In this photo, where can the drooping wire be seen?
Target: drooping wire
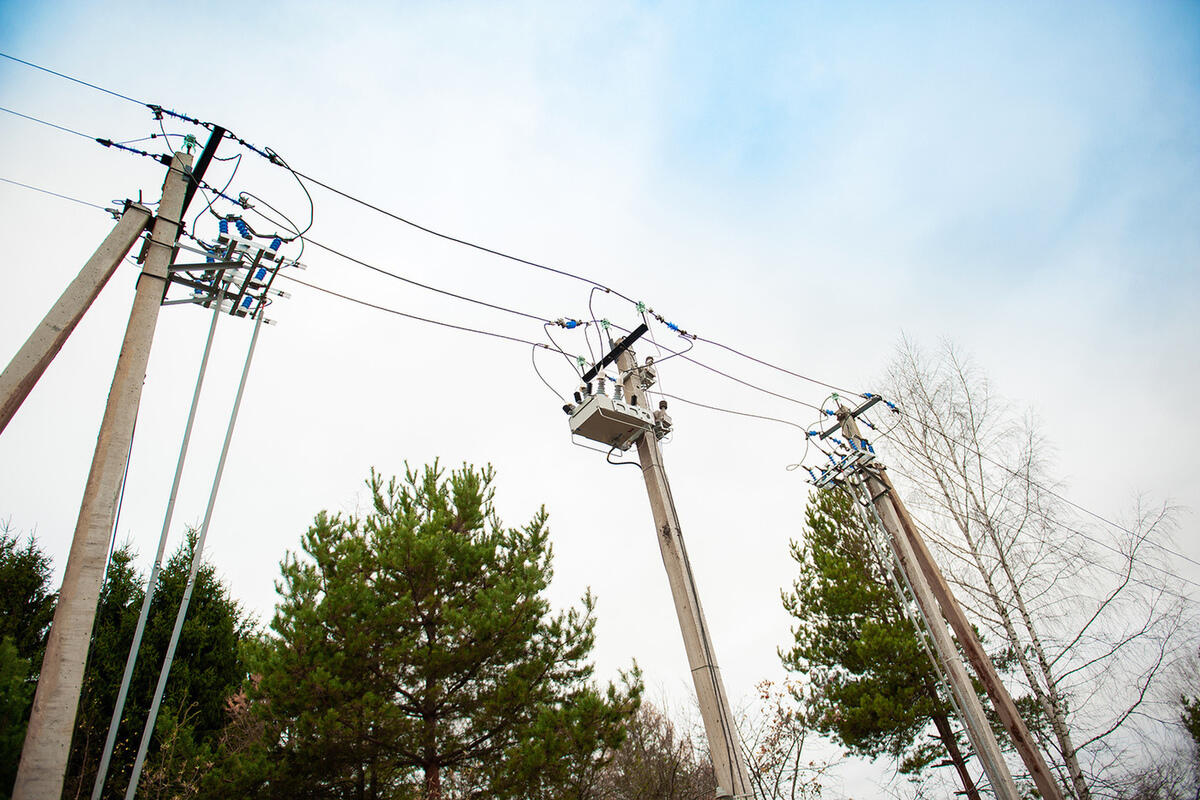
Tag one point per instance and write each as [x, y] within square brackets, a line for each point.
[733, 411]
[406, 315]
[775, 366]
[275, 158]
[611, 450]
[450, 238]
[574, 364]
[221, 193]
[426, 286]
[533, 359]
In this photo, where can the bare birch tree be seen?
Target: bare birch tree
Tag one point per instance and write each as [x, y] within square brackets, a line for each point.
[1088, 617]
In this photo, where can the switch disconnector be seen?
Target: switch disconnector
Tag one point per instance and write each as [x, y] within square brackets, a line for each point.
[614, 423]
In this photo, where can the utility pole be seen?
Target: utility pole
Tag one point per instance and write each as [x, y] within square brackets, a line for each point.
[48, 739]
[936, 601]
[733, 779]
[27, 366]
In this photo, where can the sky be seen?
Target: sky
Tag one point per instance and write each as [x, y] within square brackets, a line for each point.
[803, 182]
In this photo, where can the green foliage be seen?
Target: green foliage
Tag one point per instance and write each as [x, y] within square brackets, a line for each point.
[1190, 716]
[417, 657]
[26, 608]
[26, 602]
[207, 670]
[16, 696]
[870, 685]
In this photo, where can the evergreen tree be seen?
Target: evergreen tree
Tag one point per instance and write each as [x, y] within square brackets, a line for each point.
[418, 657]
[26, 608]
[207, 670]
[870, 684]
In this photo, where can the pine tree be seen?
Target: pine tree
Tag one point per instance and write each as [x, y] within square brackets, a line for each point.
[26, 608]
[207, 670]
[418, 657]
[869, 684]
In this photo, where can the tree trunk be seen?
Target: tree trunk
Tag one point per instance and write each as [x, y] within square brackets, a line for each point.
[433, 782]
[960, 764]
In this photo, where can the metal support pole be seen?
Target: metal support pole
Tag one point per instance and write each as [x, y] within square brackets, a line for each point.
[733, 779]
[27, 366]
[197, 553]
[51, 724]
[152, 583]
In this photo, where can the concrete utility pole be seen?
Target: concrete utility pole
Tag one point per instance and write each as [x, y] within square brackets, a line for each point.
[51, 724]
[27, 366]
[733, 779]
[936, 601]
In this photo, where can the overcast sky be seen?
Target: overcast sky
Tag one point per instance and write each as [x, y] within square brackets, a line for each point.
[804, 183]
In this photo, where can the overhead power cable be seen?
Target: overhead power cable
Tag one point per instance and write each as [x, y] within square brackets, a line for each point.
[731, 411]
[455, 239]
[76, 80]
[46, 123]
[733, 378]
[55, 194]
[407, 315]
[275, 159]
[426, 286]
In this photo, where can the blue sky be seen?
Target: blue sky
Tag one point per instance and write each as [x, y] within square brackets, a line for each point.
[804, 181]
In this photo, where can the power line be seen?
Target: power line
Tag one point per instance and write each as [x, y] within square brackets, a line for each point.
[426, 286]
[274, 158]
[76, 80]
[731, 411]
[163, 159]
[49, 124]
[54, 194]
[405, 314]
[455, 239]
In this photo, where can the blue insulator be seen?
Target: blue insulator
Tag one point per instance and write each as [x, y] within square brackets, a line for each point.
[262, 273]
[247, 301]
[210, 259]
[572, 324]
[828, 413]
[276, 242]
[868, 395]
[223, 226]
[243, 228]
[672, 326]
[810, 433]
[870, 448]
